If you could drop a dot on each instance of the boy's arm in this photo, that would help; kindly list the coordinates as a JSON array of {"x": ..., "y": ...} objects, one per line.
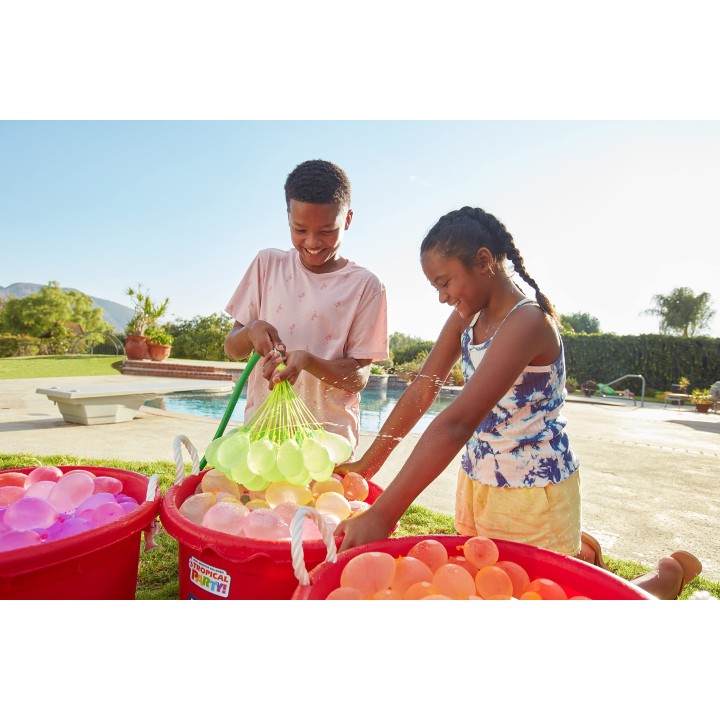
[
  {"x": 349, "y": 374},
  {"x": 257, "y": 335}
]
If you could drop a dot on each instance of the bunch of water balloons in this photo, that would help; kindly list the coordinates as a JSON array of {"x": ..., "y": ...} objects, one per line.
[
  {"x": 428, "y": 572},
  {"x": 48, "y": 504},
  {"x": 281, "y": 459}
]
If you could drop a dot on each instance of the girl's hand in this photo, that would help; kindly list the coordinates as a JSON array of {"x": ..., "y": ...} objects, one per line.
[
  {"x": 271, "y": 361},
  {"x": 366, "y": 527},
  {"x": 358, "y": 466}
]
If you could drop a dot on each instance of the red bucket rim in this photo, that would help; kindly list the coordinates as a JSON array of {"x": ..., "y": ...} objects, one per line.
[
  {"x": 228, "y": 546},
  {"x": 324, "y": 571},
  {"x": 36, "y": 557}
]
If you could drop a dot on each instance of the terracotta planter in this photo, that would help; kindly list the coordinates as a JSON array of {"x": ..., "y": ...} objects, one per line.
[
  {"x": 136, "y": 347},
  {"x": 158, "y": 352},
  {"x": 702, "y": 408}
]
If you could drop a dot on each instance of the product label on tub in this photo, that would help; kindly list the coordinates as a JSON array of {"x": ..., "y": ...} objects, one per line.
[{"x": 211, "y": 579}]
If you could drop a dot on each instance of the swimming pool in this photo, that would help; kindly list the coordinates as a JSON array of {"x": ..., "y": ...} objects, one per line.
[{"x": 375, "y": 406}]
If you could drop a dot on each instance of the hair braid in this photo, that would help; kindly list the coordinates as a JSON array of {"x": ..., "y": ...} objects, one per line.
[{"x": 463, "y": 232}]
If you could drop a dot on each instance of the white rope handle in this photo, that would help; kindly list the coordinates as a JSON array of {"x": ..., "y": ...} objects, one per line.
[
  {"x": 179, "y": 465},
  {"x": 296, "y": 546}
]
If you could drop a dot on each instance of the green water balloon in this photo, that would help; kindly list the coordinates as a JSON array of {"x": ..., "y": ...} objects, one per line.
[
  {"x": 290, "y": 458},
  {"x": 233, "y": 450},
  {"x": 261, "y": 456}
]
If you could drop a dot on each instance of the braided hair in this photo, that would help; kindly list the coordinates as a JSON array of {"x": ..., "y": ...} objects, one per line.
[{"x": 461, "y": 233}]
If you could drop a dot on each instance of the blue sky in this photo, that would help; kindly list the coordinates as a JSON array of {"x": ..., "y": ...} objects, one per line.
[{"x": 605, "y": 213}]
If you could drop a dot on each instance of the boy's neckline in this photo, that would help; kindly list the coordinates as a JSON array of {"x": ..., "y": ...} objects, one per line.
[{"x": 343, "y": 264}]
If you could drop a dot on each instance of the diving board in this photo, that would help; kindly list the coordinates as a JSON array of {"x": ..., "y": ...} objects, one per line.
[{"x": 119, "y": 402}]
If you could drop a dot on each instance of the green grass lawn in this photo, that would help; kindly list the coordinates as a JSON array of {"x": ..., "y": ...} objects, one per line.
[
  {"x": 20, "y": 368},
  {"x": 158, "y": 568}
]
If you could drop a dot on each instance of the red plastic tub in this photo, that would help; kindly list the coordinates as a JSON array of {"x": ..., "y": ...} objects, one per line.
[
  {"x": 575, "y": 576},
  {"x": 101, "y": 564},
  {"x": 217, "y": 566}
]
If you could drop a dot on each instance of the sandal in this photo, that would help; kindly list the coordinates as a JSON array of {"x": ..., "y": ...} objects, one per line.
[
  {"x": 591, "y": 542},
  {"x": 690, "y": 567}
]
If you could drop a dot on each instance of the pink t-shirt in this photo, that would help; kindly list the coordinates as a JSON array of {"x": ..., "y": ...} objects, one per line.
[{"x": 333, "y": 315}]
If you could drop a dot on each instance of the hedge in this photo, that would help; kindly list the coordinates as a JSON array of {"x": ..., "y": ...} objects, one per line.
[{"x": 660, "y": 359}]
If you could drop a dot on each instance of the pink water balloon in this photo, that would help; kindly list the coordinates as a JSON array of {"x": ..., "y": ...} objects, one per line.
[
  {"x": 106, "y": 484},
  {"x": 10, "y": 493},
  {"x": 30, "y": 514},
  {"x": 92, "y": 502},
  {"x": 264, "y": 524},
  {"x": 44, "y": 472},
  {"x": 67, "y": 528},
  {"x": 105, "y": 513},
  {"x": 16, "y": 539},
  {"x": 40, "y": 489},
  {"x": 71, "y": 489},
  {"x": 226, "y": 517}
]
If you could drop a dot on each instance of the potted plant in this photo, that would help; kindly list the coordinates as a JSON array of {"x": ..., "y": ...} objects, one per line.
[
  {"x": 146, "y": 313},
  {"x": 159, "y": 343},
  {"x": 701, "y": 399},
  {"x": 681, "y": 385},
  {"x": 571, "y": 385}
]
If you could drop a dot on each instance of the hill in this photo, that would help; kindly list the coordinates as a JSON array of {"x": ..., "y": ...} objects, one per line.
[{"x": 114, "y": 313}]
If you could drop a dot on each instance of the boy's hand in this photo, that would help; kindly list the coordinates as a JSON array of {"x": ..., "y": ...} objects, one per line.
[
  {"x": 264, "y": 338},
  {"x": 295, "y": 361}
]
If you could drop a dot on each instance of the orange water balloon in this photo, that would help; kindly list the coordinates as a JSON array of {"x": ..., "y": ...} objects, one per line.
[
  {"x": 387, "y": 594},
  {"x": 579, "y": 597},
  {"x": 529, "y": 595},
  {"x": 322, "y": 486},
  {"x": 481, "y": 551},
  {"x": 436, "y": 597},
  {"x": 431, "y": 552},
  {"x": 454, "y": 581},
  {"x": 408, "y": 571},
  {"x": 369, "y": 572},
  {"x": 419, "y": 590},
  {"x": 492, "y": 581},
  {"x": 462, "y": 561},
  {"x": 547, "y": 589},
  {"x": 355, "y": 486},
  {"x": 517, "y": 574},
  {"x": 345, "y": 593}
]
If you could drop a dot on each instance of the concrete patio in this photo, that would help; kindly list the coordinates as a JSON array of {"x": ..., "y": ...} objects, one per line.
[{"x": 651, "y": 481}]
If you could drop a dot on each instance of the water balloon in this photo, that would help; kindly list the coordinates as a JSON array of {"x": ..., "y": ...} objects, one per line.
[
  {"x": 547, "y": 589},
  {"x": 261, "y": 456},
  {"x": 290, "y": 459},
  {"x": 44, "y": 472},
  {"x": 368, "y": 572},
  {"x": 13, "y": 479},
  {"x": 454, "y": 581},
  {"x": 409, "y": 571},
  {"x": 226, "y": 517},
  {"x": 517, "y": 574},
  {"x": 332, "y": 503},
  {"x": 16, "y": 539},
  {"x": 215, "y": 481},
  {"x": 195, "y": 506},
  {"x": 344, "y": 593},
  {"x": 283, "y": 492},
  {"x": 431, "y": 552},
  {"x": 493, "y": 582},
  {"x": 355, "y": 486},
  {"x": 419, "y": 590},
  {"x": 481, "y": 551},
  {"x": 10, "y": 493},
  {"x": 30, "y": 513},
  {"x": 264, "y": 524},
  {"x": 107, "y": 484},
  {"x": 232, "y": 451},
  {"x": 71, "y": 489},
  {"x": 315, "y": 456},
  {"x": 329, "y": 485}
]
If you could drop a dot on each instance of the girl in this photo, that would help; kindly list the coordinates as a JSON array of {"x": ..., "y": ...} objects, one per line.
[{"x": 519, "y": 478}]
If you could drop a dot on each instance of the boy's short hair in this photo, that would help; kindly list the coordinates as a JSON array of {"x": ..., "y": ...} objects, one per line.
[{"x": 320, "y": 182}]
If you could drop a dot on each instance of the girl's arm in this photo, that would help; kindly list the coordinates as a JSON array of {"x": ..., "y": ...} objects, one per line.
[
  {"x": 414, "y": 402},
  {"x": 524, "y": 337}
]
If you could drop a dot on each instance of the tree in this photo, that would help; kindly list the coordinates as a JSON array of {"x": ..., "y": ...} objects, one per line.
[
  {"x": 202, "y": 338},
  {"x": 404, "y": 348},
  {"x": 581, "y": 323},
  {"x": 682, "y": 312},
  {"x": 45, "y": 312}
]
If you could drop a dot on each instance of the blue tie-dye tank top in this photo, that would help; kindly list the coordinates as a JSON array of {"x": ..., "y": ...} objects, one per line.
[{"x": 522, "y": 441}]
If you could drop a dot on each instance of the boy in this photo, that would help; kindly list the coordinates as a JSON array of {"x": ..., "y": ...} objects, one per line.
[{"x": 311, "y": 308}]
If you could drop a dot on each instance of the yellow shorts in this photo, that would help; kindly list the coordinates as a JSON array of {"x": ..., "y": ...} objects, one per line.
[{"x": 547, "y": 517}]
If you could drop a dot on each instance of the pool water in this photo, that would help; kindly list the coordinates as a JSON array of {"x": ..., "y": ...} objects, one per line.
[{"x": 375, "y": 406}]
